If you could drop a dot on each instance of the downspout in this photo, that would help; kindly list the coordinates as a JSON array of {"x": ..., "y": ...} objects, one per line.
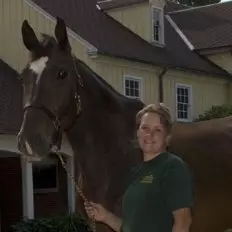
[{"x": 161, "y": 87}]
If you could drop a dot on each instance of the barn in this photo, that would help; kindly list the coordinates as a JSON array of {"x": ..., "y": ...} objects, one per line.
[{"x": 27, "y": 190}]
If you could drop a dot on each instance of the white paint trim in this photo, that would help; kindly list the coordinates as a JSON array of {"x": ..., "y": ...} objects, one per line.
[
  {"x": 140, "y": 79},
  {"x": 9, "y": 143},
  {"x": 162, "y": 40},
  {"x": 190, "y": 109},
  {"x": 73, "y": 34},
  {"x": 181, "y": 34},
  {"x": 71, "y": 185},
  {"x": 27, "y": 187}
]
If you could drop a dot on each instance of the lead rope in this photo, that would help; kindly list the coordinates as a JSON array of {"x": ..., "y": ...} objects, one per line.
[{"x": 78, "y": 189}]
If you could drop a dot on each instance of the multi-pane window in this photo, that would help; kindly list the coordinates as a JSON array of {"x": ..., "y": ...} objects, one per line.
[
  {"x": 132, "y": 87},
  {"x": 183, "y": 102},
  {"x": 157, "y": 24},
  {"x": 45, "y": 177}
]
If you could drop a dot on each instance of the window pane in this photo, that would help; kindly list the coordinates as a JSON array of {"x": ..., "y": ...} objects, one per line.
[
  {"x": 132, "y": 88},
  {"x": 127, "y": 83},
  {"x": 127, "y": 91},
  {"x": 44, "y": 177},
  {"x": 185, "y": 115},
  {"x": 136, "y": 84},
  {"x": 136, "y": 93}
]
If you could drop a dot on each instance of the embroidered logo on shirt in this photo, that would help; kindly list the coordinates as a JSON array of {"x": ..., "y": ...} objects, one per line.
[{"x": 147, "y": 179}]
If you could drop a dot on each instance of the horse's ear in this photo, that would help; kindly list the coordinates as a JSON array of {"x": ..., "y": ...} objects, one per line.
[
  {"x": 29, "y": 38},
  {"x": 61, "y": 34}
]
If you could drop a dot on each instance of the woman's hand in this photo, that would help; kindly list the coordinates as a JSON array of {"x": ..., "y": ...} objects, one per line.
[
  {"x": 99, "y": 213},
  {"x": 96, "y": 211}
]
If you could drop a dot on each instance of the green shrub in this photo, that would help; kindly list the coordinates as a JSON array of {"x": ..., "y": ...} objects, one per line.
[
  {"x": 215, "y": 112},
  {"x": 67, "y": 223}
]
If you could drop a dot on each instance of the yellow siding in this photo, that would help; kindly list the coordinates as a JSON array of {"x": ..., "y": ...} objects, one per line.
[
  {"x": 137, "y": 18},
  {"x": 206, "y": 91},
  {"x": 114, "y": 71},
  {"x": 223, "y": 60},
  {"x": 12, "y": 14}
]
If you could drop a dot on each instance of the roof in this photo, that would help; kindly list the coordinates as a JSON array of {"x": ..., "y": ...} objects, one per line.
[
  {"x": 111, "y": 4},
  {"x": 206, "y": 27},
  {"x": 109, "y": 37},
  {"x": 10, "y": 100},
  {"x": 172, "y": 6}
]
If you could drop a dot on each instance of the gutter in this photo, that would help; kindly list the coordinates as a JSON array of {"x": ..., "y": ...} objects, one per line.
[{"x": 161, "y": 85}]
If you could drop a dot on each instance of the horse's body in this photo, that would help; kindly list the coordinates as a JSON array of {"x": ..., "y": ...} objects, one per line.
[{"x": 103, "y": 136}]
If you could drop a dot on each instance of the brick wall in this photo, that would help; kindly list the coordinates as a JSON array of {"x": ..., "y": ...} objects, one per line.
[
  {"x": 10, "y": 192},
  {"x": 46, "y": 204},
  {"x": 54, "y": 203}
]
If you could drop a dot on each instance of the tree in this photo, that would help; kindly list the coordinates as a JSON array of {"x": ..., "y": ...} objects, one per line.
[
  {"x": 197, "y": 2},
  {"x": 215, "y": 112}
]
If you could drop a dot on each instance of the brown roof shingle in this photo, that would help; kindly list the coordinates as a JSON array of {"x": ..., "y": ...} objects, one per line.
[
  {"x": 206, "y": 27},
  {"x": 109, "y": 37},
  {"x": 111, "y": 4},
  {"x": 10, "y": 100}
]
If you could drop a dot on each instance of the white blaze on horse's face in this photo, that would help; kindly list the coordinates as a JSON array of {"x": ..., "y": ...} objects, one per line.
[{"x": 38, "y": 66}]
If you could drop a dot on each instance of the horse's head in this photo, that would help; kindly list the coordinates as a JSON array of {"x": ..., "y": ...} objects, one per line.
[{"x": 50, "y": 85}]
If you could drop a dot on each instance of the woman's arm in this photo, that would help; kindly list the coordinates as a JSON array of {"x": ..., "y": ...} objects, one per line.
[
  {"x": 113, "y": 221},
  {"x": 100, "y": 214},
  {"x": 182, "y": 220}
]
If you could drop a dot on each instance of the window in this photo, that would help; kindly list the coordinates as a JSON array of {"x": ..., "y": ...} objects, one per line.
[
  {"x": 183, "y": 102},
  {"x": 45, "y": 177},
  {"x": 157, "y": 26},
  {"x": 132, "y": 87}
]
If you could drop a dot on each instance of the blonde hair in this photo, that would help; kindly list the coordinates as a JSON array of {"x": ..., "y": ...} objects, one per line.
[{"x": 161, "y": 110}]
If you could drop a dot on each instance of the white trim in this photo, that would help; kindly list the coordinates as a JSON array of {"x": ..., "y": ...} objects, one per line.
[
  {"x": 190, "y": 109},
  {"x": 9, "y": 143},
  {"x": 162, "y": 34},
  {"x": 27, "y": 187},
  {"x": 74, "y": 35},
  {"x": 71, "y": 185},
  {"x": 181, "y": 34},
  {"x": 140, "y": 79}
]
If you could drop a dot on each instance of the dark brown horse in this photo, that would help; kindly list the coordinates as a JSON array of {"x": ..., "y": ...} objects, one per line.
[{"x": 63, "y": 95}]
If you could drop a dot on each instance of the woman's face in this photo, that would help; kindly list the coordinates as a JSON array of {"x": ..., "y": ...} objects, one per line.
[{"x": 151, "y": 134}]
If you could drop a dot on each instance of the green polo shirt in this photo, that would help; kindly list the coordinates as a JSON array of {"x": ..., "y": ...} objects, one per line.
[{"x": 156, "y": 188}]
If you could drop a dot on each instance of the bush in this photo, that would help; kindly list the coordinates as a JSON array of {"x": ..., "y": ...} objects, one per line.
[
  {"x": 57, "y": 224},
  {"x": 215, "y": 112}
]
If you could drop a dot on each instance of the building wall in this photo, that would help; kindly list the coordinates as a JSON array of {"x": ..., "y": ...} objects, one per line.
[
  {"x": 206, "y": 91},
  {"x": 223, "y": 59},
  {"x": 128, "y": 16},
  {"x": 11, "y": 208},
  {"x": 11, "y": 192},
  {"x": 12, "y": 14},
  {"x": 51, "y": 204}
]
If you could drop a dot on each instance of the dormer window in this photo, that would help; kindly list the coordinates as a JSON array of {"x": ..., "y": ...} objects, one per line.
[{"x": 157, "y": 26}]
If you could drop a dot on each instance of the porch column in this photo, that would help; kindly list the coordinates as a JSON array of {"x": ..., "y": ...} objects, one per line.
[
  {"x": 27, "y": 187},
  {"x": 71, "y": 185}
]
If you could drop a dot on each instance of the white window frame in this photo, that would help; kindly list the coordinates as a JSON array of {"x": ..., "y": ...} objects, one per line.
[
  {"x": 134, "y": 78},
  {"x": 47, "y": 163},
  {"x": 161, "y": 40},
  {"x": 190, "y": 107}
]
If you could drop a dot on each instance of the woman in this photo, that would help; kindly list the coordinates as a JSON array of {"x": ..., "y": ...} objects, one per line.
[{"x": 159, "y": 195}]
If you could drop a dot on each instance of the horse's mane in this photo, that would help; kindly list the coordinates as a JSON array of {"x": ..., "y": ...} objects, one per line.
[{"x": 48, "y": 42}]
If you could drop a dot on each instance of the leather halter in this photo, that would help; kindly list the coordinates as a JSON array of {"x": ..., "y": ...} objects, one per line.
[{"x": 57, "y": 135}]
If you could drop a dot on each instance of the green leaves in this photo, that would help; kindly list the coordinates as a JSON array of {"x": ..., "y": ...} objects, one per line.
[
  {"x": 66, "y": 223},
  {"x": 215, "y": 112}
]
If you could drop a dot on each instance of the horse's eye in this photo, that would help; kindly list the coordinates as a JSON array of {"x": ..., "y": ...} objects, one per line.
[{"x": 62, "y": 74}]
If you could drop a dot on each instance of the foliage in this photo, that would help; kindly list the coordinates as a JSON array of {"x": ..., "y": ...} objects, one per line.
[
  {"x": 57, "y": 224},
  {"x": 215, "y": 112},
  {"x": 197, "y": 2}
]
